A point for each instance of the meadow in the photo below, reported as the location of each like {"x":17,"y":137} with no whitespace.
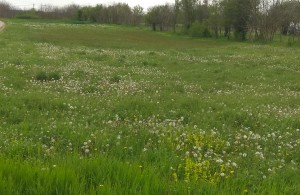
{"x":104,"y":109}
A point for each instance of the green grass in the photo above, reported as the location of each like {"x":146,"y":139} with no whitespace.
{"x":106,"y":109}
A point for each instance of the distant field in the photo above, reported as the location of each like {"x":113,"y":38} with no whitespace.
{"x":98,"y":109}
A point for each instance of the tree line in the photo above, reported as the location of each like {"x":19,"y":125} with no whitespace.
{"x":241,"y":19}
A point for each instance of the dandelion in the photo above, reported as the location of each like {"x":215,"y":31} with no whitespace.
{"x":219,"y":161}
{"x":187,"y":153}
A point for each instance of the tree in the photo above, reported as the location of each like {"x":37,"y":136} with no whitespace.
{"x":6,"y":10}
{"x":237,"y":15}
{"x":154,"y":17}
{"x":137,"y":15}
{"x":215,"y":18}
{"x":188,"y":8}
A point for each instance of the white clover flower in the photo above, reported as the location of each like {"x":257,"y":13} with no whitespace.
{"x":87,"y":151}
{"x":222,"y":174}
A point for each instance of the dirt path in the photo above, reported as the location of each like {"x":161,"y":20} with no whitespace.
{"x":2,"y":25}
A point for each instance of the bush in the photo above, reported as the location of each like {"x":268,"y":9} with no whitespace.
{"x":31,"y":14}
{"x":199,"y":30}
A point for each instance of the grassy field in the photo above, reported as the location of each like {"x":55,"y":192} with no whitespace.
{"x":97,"y":109}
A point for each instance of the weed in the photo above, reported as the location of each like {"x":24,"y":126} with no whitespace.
{"x":41,"y":76}
{"x":195,"y":116}
{"x":115,"y":79}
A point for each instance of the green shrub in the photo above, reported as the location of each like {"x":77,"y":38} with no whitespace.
{"x":199,"y":30}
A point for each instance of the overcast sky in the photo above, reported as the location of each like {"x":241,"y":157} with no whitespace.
{"x":26,"y":4}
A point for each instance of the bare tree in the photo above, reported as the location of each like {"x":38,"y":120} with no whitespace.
{"x":6,"y":10}
{"x":137,"y":15}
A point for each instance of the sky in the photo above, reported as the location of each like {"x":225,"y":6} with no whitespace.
{"x":27,"y":4}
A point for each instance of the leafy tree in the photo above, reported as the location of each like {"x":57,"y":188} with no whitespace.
{"x":153,"y":17}
{"x":189,"y":13}
{"x":237,"y":15}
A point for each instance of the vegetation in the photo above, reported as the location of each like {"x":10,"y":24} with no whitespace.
{"x":255,"y":20}
{"x":104,"y":109}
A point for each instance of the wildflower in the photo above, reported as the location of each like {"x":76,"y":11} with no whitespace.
{"x":219,"y":161}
